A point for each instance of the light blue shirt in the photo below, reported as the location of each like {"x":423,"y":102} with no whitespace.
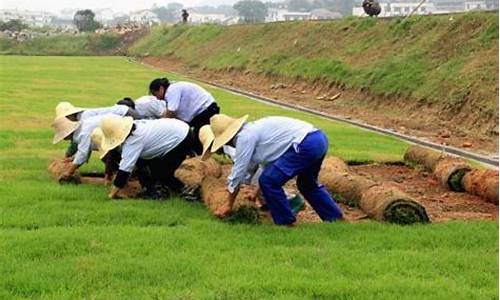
{"x":187,"y":100}
{"x":150,"y":139}
{"x":82,"y":136}
{"x":262,"y":142}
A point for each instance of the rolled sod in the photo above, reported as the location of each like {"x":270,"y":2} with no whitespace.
{"x":192,"y":171}
{"x":380,"y":201}
{"x":423,"y":156}
{"x":483,"y":183}
{"x":215,"y":195}
{"x":455,"y":173}
{"x":388,"y":203}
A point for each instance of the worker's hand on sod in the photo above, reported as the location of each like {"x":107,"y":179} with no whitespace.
{"x":225,"y":209}
{"x":69,"y":172}
{"x":114,"y":193}
{"x":252,"y":193}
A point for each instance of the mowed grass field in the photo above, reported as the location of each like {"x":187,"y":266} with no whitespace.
{"x":71,"y":242}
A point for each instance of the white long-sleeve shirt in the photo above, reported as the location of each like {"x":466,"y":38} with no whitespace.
{"x":82,"y":137}
{"x":150,"y":139}
{"x":148,"y":107}
{"x":187,"y":100}
{"x":120,"y":110}
{"x":262,"y":142}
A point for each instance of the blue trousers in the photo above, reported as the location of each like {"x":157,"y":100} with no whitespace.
{"x":305,"y":164}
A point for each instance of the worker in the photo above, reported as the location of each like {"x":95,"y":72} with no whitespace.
{"x":145,"y":107}
{"x":74,"y":113}
{"x":79,"y":133}
{"x":206,"y":137}
{"x":161,"y":144}
{"x":188,"y":102}
{"x":287,"y":148}
{"x":371,"y":7}
{"x":185,"y":16}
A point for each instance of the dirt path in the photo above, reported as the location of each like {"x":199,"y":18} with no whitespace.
{"x":424,"y":122}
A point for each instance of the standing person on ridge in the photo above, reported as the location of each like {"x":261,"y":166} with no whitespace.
{"x":188,"y":102}
{"x":287,"y":148}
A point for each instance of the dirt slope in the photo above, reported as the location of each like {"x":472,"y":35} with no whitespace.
{"x":435,"y":74}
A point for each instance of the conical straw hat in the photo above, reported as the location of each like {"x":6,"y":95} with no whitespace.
{"x":224,"y":129}
{"x":97,"y":138}
{"x":206,"y":138}
{"x":63,"y":127}
{"x":115,"y":131}
{"x":64,"y":109}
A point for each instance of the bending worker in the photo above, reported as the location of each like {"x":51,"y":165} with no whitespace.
{"x":188,"y":102}
{"x":287,"y":148}
{"x":162,"y":145}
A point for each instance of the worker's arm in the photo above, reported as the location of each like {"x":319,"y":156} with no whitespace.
{"x":169,"y":114}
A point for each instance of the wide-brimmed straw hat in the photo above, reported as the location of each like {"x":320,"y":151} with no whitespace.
{"x":224,"y":129}
{"x":115,"y":131}
{"x":206,"y":137}
{"x":97,"y":138}
{"x":63,"y":127}
{"x":64,"y":109}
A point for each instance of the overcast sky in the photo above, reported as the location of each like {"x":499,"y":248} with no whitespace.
{"x":116,"y":5}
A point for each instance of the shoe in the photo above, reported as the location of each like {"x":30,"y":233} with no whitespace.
{"x":191,"y":194}
{"x":150,"y":194}
{"x":296,"y":204}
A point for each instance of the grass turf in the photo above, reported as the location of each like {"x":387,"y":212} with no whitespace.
{"x":65,"y":242}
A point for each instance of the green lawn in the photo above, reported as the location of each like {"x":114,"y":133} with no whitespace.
{"x":67,"y":242}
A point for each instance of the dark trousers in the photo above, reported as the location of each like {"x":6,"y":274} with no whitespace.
{"x":197,"y":122}
{"x":161,"y":169}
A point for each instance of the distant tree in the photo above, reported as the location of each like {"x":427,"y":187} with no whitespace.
{"x":84,"y":21}
{"x":300,"y":5}
{"x":12,"y":25}
{"x":251,"y":11}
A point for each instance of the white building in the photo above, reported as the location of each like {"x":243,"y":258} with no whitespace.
{"x":324,"y":14}
{"x":297,"y":16}
{"x":104,"y":15}
{"x":198,"y":18}
{"x":476,"y":5}
{"x":144,"y":17}
{"x":276,"y":14}
{"x":30,"y":18}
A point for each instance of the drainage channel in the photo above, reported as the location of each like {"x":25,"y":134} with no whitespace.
{"x":487,"y":160}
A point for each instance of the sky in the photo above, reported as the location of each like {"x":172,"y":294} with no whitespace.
{"x":55,"y":6}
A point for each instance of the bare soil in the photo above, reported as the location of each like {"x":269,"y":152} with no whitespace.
{"x":440,"y":203}
{"x":391,"y":112}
